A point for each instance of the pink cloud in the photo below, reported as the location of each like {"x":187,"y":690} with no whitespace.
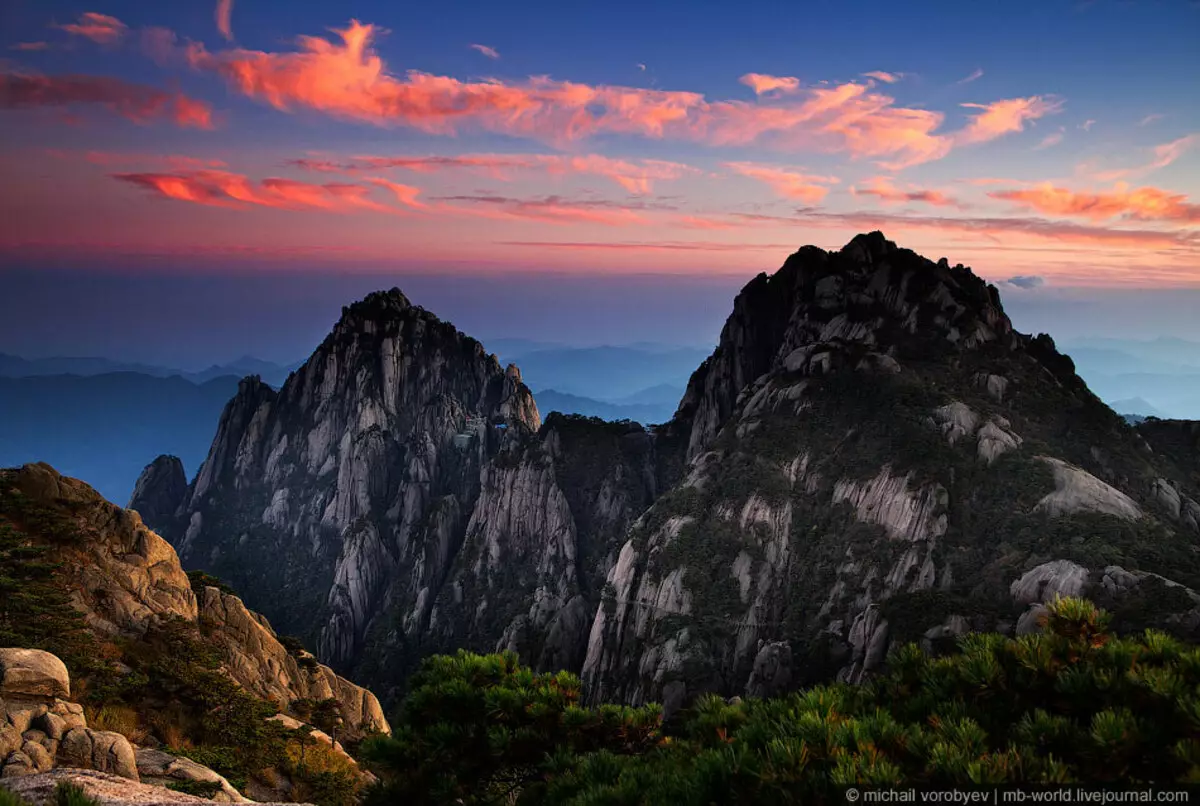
{"x":548,"y":209}
{"x":1050,"y":140}
{"x":490,"y":52}
{"x":346,"y":78}
{"x":975,"y":74}
{"x":1146,"y":203}
{"x":224,"y":18}
{"x":788,"y":183}
{"x":30,"y":46}
{"x":135,"y":102}
{"x":225,"y":189}
{"x":99,"y":28}
{"x":635,"y":176}
{"x":763,"y":84}
{"x":1003,"y":117}
{"x":886,"y":78}
{"x":174,"y":161}
{"x":883,"y":189}
{"x":405,"y":194}
{"x":1163,"y":155}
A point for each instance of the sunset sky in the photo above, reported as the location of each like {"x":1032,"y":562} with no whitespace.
{"x":1057,"y":143}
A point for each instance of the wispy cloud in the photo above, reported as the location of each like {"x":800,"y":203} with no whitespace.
{"x":1161,"y":156}
{"x":135,"y":102}
{"x":976,"y":73}
{"x":1145,"y":203}
{"x":231,"y":190}
{"x":886,"y":191}
{"x":1087,"y":125}
{"x":490,"y":52}
{"x":1027,"y":282}
{"x":99,"y":28}
{"x":30,"y":46}
{"x":224,"y":18}
{"x":635,"y":176}
{"x":787,"y":182}
{"x":1003,"y":117}
{"x":1050,"y":140}
{"x":886,"y":78}
{"x":1152,"y":118}
{"x":763,"y":84}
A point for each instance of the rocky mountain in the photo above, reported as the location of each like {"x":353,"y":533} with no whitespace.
{"x":872,"y":454}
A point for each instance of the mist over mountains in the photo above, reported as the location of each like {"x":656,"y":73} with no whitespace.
{"x":97,"y":418}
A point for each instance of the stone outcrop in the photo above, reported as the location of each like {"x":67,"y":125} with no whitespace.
{"x":872,"y":454}
{"x":106,"y":789}
{"x":870,"y":439}
{"x":125,"y":579}
{"x":163,"y":769}
{"x":40,"y":729}
{"x":160,"y":490}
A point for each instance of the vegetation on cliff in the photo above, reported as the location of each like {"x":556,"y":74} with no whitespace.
{"x":1073,"y":703}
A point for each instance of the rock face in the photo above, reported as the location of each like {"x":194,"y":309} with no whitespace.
{"x":106,"y":789}
{"x":874,"y":455}
{"x":160,"y":489}
{"x":398,"y":496}
{"x":125,"y":579}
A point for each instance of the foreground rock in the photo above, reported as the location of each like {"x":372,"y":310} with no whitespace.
{"x":127,"y":580}
{"x":108,"y":790}
{"x":163,"y":769}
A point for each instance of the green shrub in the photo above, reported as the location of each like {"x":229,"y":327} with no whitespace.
{"x":69,"y":794}
{"x":1072,"y":704}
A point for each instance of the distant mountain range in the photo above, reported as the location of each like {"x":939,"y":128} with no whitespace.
{"x":102,"y":427}
{"x":12,"y":366}
{"x":1163,"y":374}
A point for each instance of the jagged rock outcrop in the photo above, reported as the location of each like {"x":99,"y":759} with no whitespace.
{"x":125,"y":580}
{"x":874,"y":455}
{"x":399,"y":496}
{"x":160,"y":489}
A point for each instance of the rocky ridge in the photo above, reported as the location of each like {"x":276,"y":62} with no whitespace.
{"x":872,"y":454}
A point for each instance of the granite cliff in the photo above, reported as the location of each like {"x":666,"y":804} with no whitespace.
{"x":872,"y":454}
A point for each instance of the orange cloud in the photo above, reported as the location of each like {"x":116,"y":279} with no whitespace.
{"x":225,"y":189}
{"x":135,"y":102}
{"x":762,"y":84}
{"x":1003,"y":117}
{"x":99,"y":28}
{"x":490,"y":52}
{"x":787,"y":183}
{"x":635,"y":176}
{"x":224,"y":18}
{"x":886,"y":78}
{"x":1146,"y":203}
{"x":346,"y":78}
{"x":883,"y":189}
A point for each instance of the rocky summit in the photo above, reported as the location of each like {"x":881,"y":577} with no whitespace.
{"x":871,"y":455}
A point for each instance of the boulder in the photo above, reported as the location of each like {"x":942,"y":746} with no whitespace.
{"x":772,"y":672}
{"x":100,"y":750}
{"x":33,"y":673}
{"x":38,"y":755}
{"x":158,"y":767}
{"x":17,"y":764}
{"x":1049,"y":580}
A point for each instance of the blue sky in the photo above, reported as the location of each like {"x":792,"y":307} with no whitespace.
{"x":1058,"y":140}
